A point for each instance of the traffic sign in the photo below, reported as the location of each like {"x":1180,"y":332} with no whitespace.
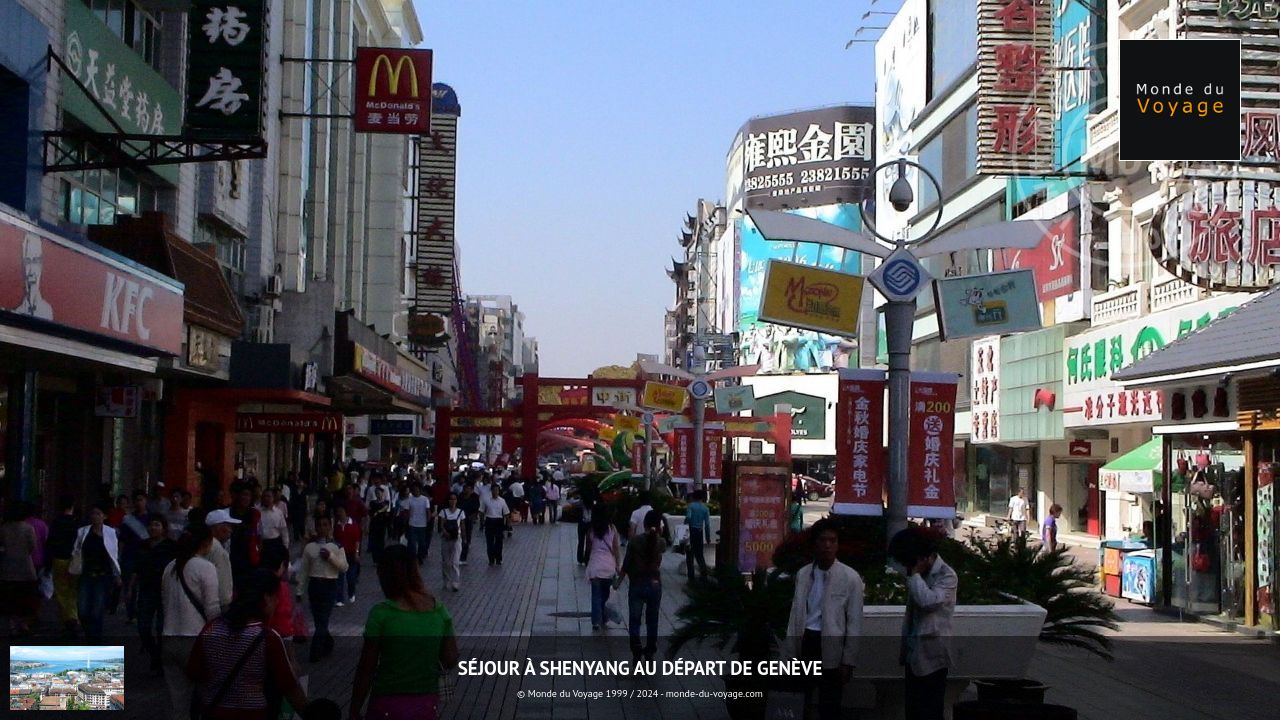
{"x":901,"y":277}
{"x":700,"y":389}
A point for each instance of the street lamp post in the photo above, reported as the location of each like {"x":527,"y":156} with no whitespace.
{"x":900,"y":278}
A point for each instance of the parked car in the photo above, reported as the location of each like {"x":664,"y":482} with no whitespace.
{"x":815,"y":489}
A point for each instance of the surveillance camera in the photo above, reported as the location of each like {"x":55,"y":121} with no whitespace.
{"x":900,"y":195}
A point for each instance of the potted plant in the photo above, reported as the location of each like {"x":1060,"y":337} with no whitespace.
{"x":739,"y":615}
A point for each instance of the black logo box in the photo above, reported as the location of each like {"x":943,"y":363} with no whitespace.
{"x":1187,"y":68}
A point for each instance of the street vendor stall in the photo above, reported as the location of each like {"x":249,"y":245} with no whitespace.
{"x":1128,"y":485}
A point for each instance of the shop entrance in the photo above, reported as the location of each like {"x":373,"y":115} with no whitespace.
{"x":1207,"y":495}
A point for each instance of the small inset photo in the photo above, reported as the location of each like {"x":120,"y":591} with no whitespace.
{"x":66,"y":677}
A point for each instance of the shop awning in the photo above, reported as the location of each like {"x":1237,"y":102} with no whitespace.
{"x":1137,"y":471}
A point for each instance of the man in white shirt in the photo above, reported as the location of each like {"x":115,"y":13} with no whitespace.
{"x":637,"y":517}
{"x":495,"y":524}
{"x":826,"y":618}
{"x":273,"y":528}
{"x":419,"y":507}
{"x":1018,"y":513}
{"x":220,"y":522}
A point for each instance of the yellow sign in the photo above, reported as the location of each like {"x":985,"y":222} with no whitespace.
{"x":811,"y":298}
{"x":607,"y":434}
{"x":661,"y":396}
{"x":393,"y":75}
{"x":629,"y":423}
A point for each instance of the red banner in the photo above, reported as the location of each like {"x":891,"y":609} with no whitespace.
{"x":860,"y":456}
{"x":930,"y":488}
{"x":637,"y":456}
{"x":1056,"y":260}
{"x":712,"y":455}
{"x":682,"y":455}
{"x":288,"y":422}
{"x":47,"y":278}
{"x":393,"y":91}
{"x":762,"y":514}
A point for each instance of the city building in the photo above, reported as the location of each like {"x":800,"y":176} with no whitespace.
{"x":501,"y":353}
{"x":93,"y":696}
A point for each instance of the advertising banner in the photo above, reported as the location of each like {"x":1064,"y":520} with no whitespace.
{"x":435,"y":252}
{"x":860,"y":452}
{"x":1222,"y":235}
{"x":45,"y":277}
{"x":628,"y":423}
{"x":902,"y":82}
{"x":735,"y":398}
{"x":809,"y":158}
{"x":778,"y":349}
{"x":930,"y":487}
{"x":1055,"y":261}
{"x":682,"y":455}
{"x":1016,"y":82}
{"x":661,"y":396}
{"x":811,"y":298}
{"x":613,"y":397}
{"x":712,"y":453}
{"x":984,"y":396}
{"x":991,"y":304}
{"x":808,"y":413}
{"x":288,"y":422}
{"x":393,"y":91}
{"x":225,"y":46}
{"x":388,"y":375}
{"x":762,"y":514}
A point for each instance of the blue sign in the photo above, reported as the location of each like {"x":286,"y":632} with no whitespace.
{"x":900,"y":278}
{"x":1138,"y":577}
{"x":384,"y":426}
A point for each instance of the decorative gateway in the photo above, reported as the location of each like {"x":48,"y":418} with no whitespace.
{"x":1222,"y":235}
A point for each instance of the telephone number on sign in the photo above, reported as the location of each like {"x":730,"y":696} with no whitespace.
{"x":764,"y":182}
{"x":829,"y":174}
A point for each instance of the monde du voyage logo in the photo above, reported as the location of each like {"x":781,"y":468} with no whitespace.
{"x":393,"y":91}
{"x":1180,"y":100}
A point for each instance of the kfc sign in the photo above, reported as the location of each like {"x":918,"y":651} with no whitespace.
{"x":393,"y":91}
{"x":1056,"y":260}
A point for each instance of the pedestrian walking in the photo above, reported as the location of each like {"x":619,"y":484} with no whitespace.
{"x":1049,"y":531}
{"x":795,"y":512}
{"x":189,"y":596}
{"x":698,"y":518}
{"x":469,"y":503}
{"x":584,"y":528}
{"x":380,"y":517}
{"x":323,"y":560}
{"x":347,"y":532}
{"x":451,"y":520}
{"x":298,"y":505}
{"x":221,"y":526}
{"x":179,"y":513}
{"x":245,"y":546}
{"x":604,"y":563}
{"x":419,"y":507}
{"x":825,"y":623}
{"x":131,"y":534}
{"x":96,"y":560}
{"x":927,"y":627}
{"x":642,"y":566}
{"x":496,"y":511}
{"x":62,"y":542}
{"x":156,"y":554}
{"x":1018,"y":513}
{"x":21,"y":595}
{"x":241,"y":666}
{"x":636,"y":524}
{"x":276,"y":560}
{"x":409,"y":644}
{"x":553,"y":501}
{"x":537,"y":501}
{"x":273,"y":524}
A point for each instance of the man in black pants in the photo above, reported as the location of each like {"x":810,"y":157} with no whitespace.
{"x":927,"y":627}
{"x":495,"y":524}
{"x":584,"y":528}
{"x":470,"y":505}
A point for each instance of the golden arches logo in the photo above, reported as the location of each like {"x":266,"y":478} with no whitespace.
{"x":393,"y":75}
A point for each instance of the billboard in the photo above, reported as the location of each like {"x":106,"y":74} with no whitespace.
{"x":811,"y":298}
{"x":779,"y":349}
{"x":224,"y":67}
{"x":902,"y":81}
{"x":991,"y":304}
{"x":1015,"y":87}
{"x":393,"y":91}
{"x":809,"y":158}
{"x":1055,"y":260}
{"x":435,"y":249}
{"x":931,"y":492}
{"x":860,"y":457}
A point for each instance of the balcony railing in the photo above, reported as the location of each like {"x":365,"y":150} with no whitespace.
{"x":1123,"y":303}
{"x":1171,"y":291}
{"x":1103,"y":131}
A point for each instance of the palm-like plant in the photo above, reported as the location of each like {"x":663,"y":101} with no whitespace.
{"x":734,"y":614}
{"x":1077,"y":612}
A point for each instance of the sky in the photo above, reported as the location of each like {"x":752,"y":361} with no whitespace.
{"x":590,"y":129}
{"x":66,"y":653}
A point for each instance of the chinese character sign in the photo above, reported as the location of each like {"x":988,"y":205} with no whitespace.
{"x":807,"y":159}
{"x":682,"y":455}
{"x":860,"y":458}
{"x":930,"y":487}
{"x":1015,"y":87}
{"x":1223,"y":235}
{"x":224,"y":67}
{"x":762,"y":514}
{"x":712,"y":454}
{"x":393,"y":91}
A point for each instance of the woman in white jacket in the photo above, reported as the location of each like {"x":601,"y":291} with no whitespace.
{"x":189,"y":592}
{"x":96,"y":559}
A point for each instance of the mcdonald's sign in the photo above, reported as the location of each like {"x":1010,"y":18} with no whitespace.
{"x":393,"y":91}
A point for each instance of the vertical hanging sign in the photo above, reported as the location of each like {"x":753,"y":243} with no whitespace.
{"x":393,"y":91}
{"x":712,"y":453}
{"x":682,"y":455}
{"x":930,"y":485}
{"x":860,"y":460}
{"x":1015,"y":87}
{"x":224,"y":68}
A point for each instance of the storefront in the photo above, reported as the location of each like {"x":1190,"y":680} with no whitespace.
{"x":1220,"y":438}
{"x":80,"y":333}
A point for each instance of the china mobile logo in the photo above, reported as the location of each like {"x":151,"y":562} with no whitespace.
{"x":812,"y":298}
{"x":393,"y":75}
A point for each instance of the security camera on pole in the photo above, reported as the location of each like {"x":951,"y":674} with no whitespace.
{"x":900,"y":278}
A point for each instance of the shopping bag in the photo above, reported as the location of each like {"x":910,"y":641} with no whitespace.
{"x":46,"y":584}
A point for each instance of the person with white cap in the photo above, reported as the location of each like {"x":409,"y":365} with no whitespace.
{"x":219,"y":522}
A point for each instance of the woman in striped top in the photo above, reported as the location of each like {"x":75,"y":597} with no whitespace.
{"x":236,"y":654}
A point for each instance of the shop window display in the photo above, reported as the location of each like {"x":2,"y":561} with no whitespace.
{"x":1207,"y":516}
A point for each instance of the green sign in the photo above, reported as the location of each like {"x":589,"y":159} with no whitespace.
{"x":122,"y":83}
{"x":808,"y":413}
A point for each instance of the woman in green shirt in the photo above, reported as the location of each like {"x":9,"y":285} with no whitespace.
{"x":408,"y":644}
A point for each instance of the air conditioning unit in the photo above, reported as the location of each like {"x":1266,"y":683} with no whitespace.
{"x":275,"y":286}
